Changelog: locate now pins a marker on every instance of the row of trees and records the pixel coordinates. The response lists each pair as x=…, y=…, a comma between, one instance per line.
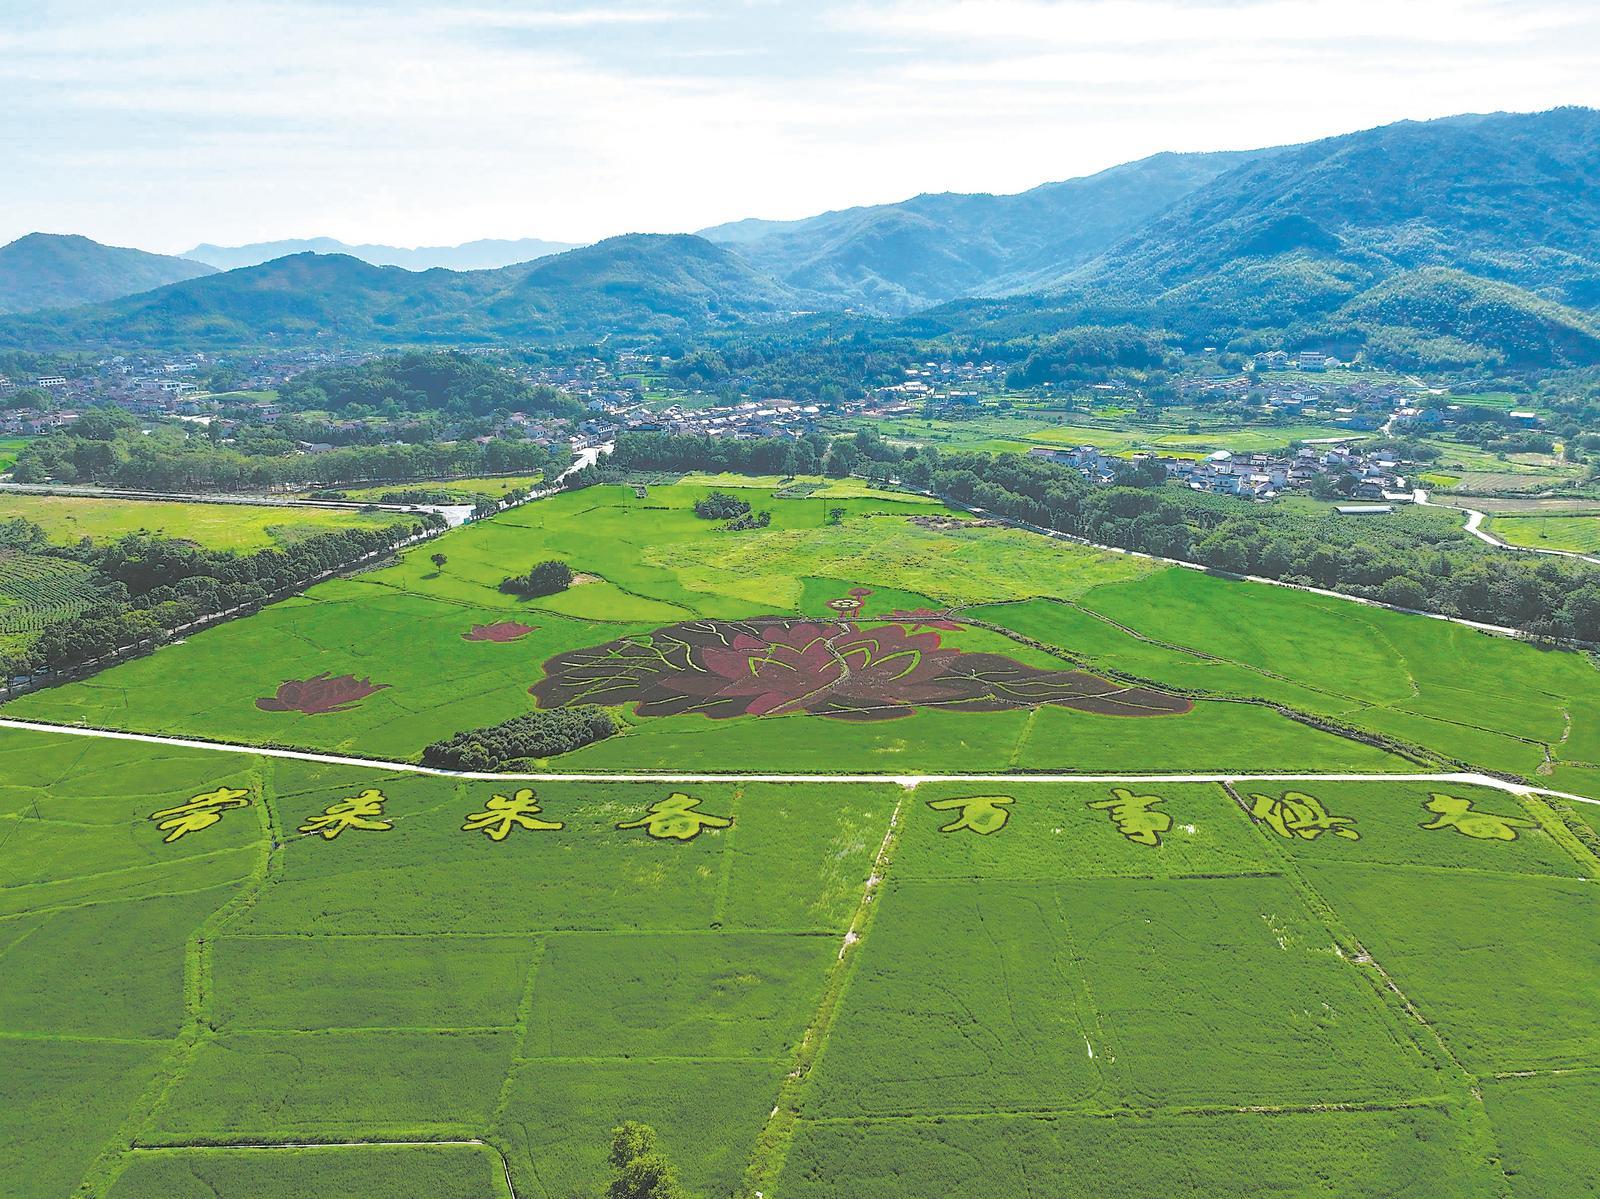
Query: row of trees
x=153, y=585
x=171, y=459
x=1418, y=559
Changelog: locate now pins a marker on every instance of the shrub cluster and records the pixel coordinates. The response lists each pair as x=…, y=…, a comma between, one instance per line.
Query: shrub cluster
x=539, y=734
x=547, y=578
x=719, y=505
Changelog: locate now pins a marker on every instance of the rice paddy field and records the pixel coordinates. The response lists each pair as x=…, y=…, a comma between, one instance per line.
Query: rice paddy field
x=241, y=970
x=1578, y=532
x=1191, y=433
x=67, y=518
x=10, y=447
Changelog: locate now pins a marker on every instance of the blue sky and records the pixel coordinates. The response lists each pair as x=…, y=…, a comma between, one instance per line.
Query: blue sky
x=163, y=123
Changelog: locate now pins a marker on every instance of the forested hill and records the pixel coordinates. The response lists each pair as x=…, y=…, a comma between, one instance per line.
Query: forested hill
x=636, y=284
x=1293, y=240
x=47, y=270
x=896, y=258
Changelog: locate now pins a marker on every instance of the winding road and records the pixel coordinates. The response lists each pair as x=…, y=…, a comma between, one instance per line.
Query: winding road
x=1474, y=526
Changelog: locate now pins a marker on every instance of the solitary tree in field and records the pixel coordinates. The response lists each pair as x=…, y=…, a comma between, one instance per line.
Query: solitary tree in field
x=641, y=1172
x=438, y=561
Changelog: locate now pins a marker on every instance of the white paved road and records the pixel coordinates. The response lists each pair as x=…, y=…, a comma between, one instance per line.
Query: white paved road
x=1459, y=778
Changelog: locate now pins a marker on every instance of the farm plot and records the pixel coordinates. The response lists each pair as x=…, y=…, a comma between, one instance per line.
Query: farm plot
x=744, y=629
x=1424, y=1150
x=1544, y=1125
x=1175, y=986
x=66, y=519
x=375, y=1171
x=405, y=958
x=36, y=591
x=1577, y=533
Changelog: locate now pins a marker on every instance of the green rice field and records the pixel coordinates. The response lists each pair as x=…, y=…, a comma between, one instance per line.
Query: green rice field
x=1005, y=957
x=826, y=989
x=67, y=518
x=1578, y=532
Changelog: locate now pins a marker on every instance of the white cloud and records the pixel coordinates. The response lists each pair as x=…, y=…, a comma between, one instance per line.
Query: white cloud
x=169, y=123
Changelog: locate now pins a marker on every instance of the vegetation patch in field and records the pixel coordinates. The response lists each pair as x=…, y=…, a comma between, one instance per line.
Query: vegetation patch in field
x=320, y=694
x=434, y=1171
x=536, y=735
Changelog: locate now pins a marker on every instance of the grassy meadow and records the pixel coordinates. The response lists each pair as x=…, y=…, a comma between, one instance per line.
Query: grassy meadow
x=245, y=527
x=823, y=990
x=1578, y=532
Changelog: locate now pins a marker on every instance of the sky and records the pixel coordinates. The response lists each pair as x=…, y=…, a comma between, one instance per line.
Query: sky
x=166, y=123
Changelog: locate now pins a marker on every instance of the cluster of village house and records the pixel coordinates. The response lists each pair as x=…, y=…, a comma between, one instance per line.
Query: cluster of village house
x=1253, y=476
x=614, y=403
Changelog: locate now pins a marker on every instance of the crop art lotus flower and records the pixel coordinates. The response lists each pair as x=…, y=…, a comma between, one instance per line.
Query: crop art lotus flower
x=786, y=667
x=505, y=630
x=319, y=694
x=840, y=669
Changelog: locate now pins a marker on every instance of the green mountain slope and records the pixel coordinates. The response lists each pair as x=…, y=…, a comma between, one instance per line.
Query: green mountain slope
x=896, y=258
x=48, y=270
x=1440, y=317
x=1513, y=198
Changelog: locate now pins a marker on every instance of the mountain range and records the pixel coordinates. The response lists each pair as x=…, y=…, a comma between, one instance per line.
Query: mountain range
x=1468, y=240
x=642, y=283
x=898, y=258
x=484, y=255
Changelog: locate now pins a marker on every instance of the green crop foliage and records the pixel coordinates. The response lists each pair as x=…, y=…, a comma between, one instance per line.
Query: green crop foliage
x=960, y=988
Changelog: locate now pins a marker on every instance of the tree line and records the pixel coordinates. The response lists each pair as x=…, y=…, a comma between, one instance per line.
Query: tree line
x=110, y=452
x=152, y=585
x=1416, y=560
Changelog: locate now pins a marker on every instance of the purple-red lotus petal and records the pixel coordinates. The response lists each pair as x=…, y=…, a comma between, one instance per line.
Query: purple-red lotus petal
x=840, y=669
x=505, y=630
x=924, y=618
x=319, y=694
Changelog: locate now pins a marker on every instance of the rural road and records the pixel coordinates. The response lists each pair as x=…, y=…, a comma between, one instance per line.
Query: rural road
x=1474, y=526
x=1461, y=778
x=454, y=514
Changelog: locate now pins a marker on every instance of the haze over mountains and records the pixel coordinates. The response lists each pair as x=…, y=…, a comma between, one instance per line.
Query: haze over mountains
x=486, y=254
x=1467, y=236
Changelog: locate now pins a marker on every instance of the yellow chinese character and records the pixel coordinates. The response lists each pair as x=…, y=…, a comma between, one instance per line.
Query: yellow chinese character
x=1484, y=826
x=1300, y=815
x=360, y=812
x=675, y=817
x=1134, y=817
x=981, y=814
x=200, y=812
x=500, y=815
